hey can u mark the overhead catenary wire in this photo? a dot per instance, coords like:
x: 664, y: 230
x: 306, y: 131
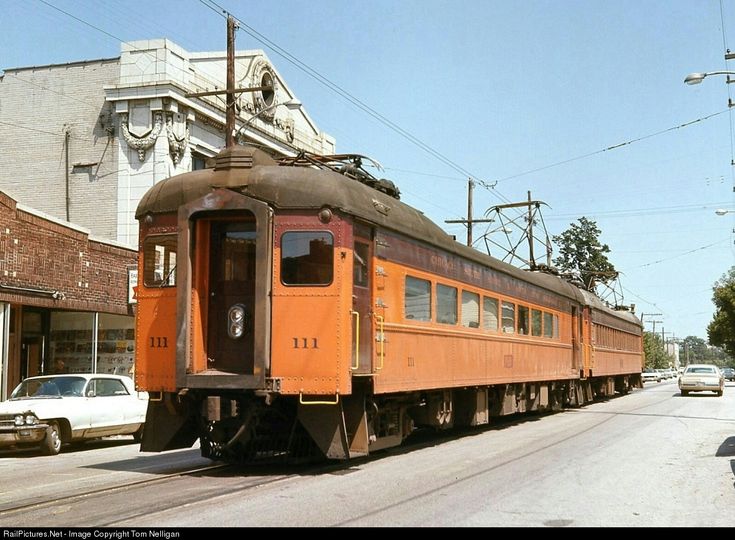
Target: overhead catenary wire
x: 311, y: 72
x: 611, y: 147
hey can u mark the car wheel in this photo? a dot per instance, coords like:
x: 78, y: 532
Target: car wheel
x: 138, y: 435
x: 52, y: 443
x: 719, y: 393
x: 685, y: 392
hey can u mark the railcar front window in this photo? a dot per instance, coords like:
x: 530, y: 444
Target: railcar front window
x: 509, y: 317
x: 417, y: 299
x: 307, y: 258
x: 446, y: 304
x: 159, y: 261
x: 470, y: 309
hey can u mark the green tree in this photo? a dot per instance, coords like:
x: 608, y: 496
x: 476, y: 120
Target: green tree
x: 653, y: 349
x: 721, y: 330
x: 695, y: 350
x: 582, y: 254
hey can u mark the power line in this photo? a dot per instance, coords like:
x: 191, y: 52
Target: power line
x: 613, y: 147
x: 60, y: 134
x: 644, y: 300
x: 645, y: 211
x: 120, y: 40
x: 90, y: 105
x: 311, y: 72
x: 702, y: 248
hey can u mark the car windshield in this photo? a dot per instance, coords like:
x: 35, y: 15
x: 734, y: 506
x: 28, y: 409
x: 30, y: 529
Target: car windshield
x: 703, y: 369
x: 49, y: 387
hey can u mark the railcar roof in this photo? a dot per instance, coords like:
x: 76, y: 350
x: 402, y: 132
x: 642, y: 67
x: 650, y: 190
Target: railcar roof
x: 254, y: 173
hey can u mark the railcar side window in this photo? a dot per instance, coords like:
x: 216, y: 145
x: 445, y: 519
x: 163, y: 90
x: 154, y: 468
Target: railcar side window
x: 159, y: 261
x: 535, y: 322
x: 490, y: 314
x: 548, y: 325
x: 307, y: 258
x: 417, y: 299
x: 556, y: 326
x: 523, y: 320
x: 509, y: 317
x: 446, y: 304
x: 470, y: 309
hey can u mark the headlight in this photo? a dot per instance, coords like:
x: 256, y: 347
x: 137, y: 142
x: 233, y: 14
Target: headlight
x: 31, y: 420
x: 236, y: 321
x: 18, y: 419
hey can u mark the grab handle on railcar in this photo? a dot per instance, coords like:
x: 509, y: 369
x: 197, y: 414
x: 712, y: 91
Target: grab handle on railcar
x: 302, y: 402
x: 381, y: 351
x: 357, y: 340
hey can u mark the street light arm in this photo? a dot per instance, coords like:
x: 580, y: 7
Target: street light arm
x: 291, y: 104
x: 696, y: 78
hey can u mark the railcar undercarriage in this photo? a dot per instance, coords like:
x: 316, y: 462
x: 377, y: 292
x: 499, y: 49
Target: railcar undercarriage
x: 243, y: 427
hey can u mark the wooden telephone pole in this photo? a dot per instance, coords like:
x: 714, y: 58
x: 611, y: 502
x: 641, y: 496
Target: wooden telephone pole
x: 470, y: 221
x: 231, y: 92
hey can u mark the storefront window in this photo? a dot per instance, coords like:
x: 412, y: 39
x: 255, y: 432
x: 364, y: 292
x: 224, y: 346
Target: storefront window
x: 115, y: 344
x: 71, y: 343
x: 72, y: 347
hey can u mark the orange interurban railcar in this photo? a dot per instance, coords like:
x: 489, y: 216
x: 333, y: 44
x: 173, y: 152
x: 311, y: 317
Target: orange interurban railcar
x: 295, y: 305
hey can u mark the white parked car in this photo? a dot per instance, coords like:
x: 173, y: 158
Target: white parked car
x: 650, y: 375
x: 701, y: 378
x: 48, y: 411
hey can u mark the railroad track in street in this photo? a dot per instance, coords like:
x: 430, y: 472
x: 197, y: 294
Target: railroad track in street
x: 9, y: 511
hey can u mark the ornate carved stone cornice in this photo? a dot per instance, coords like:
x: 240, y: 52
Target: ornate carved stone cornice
x: 207, y: 121
x: 141, y: 144
x: 176, y: 145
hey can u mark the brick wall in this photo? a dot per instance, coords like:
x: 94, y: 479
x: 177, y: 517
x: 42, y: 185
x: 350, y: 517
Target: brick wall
x: 37, y: 106
x: 37, y: 252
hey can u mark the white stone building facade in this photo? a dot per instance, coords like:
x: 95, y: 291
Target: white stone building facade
x: 84, y: 141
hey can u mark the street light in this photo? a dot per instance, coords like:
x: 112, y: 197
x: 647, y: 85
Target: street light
x: 292, y: 105
x: 696, y: 78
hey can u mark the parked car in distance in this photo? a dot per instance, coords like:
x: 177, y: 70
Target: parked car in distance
x: 728, y: 373
x: 650, y: 375
x: 50, y: 410
x: 701, y: 378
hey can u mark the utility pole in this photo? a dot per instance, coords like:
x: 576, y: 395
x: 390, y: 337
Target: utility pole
x: 530, y: 232
x: 230, y: 112
x: 470, y: 188
x: 650, y: 315
x: 230, y: 92
x: 470, y: 221
x: 654, y: 325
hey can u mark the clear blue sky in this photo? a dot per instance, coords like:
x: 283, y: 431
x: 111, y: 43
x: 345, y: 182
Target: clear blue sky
x: 500, y: 88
